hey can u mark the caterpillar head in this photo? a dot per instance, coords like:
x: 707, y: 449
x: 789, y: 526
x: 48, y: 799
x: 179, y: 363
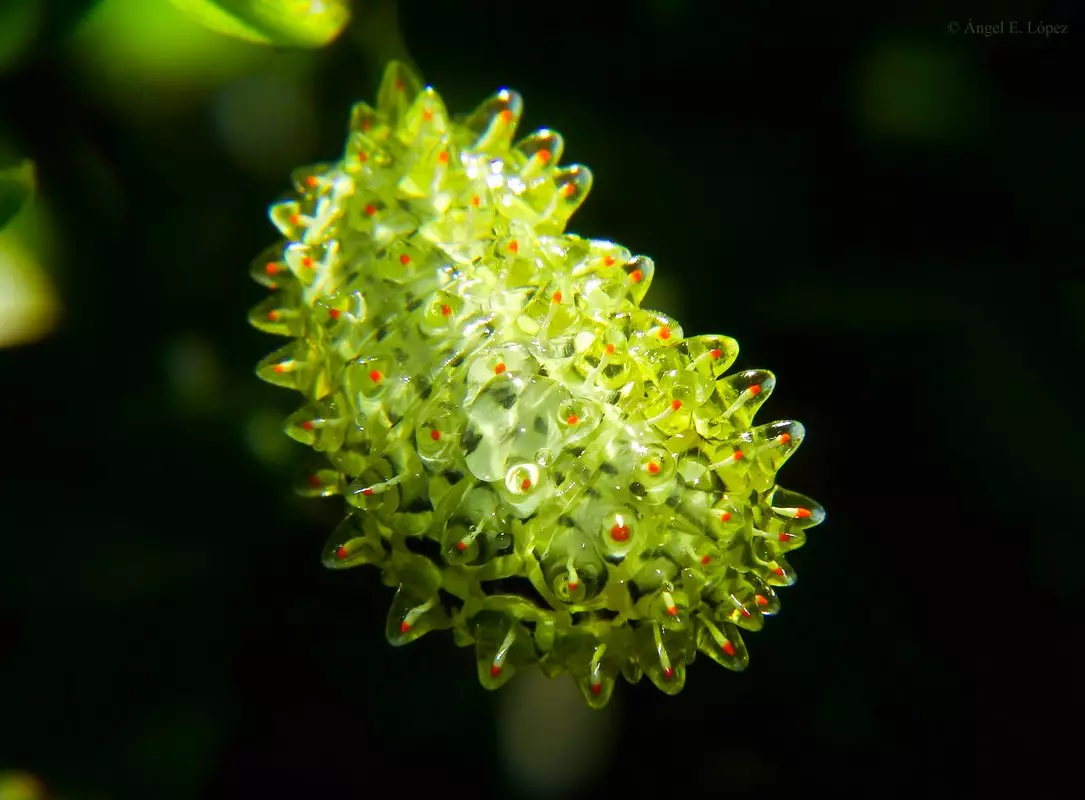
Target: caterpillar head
x: 559, y: 476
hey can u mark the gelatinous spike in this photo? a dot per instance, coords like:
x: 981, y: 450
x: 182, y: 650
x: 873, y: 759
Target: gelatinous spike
x: 744, y: 393
x: 662, y: 658
x: 412, y: 616
x: 321, y: 482
x: 539, y: 463
x: 321, y: 426
x: 425, y: 123
x: 773, y: 444
x: 766, y: 598
x: 397, y: 92
x: 570, y: 189
x: 289, y: 218
x: 542, y: 149
x: 352, y: 545
x: 277, y: 315
x: 500, y: 650
x: 287, y: 367
x: 367, y: 121
x: 639, y: 272
x: 779, y: 573
x: 743, y: 610
x: 710, y: 355
x: 799, y: 509
x: 495, y: 120
x: 268, y: 269
x: 598, y: 684
x: 723, y: 644
x: 314, y: 179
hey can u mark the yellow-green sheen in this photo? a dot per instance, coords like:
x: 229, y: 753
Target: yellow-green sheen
x: 535, y: 462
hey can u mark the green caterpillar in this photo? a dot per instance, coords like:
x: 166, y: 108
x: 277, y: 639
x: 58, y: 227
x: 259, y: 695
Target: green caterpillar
x: 534, y: 461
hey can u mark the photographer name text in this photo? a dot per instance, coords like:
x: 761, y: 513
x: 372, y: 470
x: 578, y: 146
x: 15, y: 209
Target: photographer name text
x: 1008, y: 27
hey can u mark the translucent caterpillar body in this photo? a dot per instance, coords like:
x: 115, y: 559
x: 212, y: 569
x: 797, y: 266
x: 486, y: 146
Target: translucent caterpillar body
x: 559, y: 476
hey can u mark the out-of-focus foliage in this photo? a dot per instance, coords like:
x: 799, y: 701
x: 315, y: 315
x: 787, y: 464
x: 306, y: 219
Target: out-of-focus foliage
x: 28, y: 304
x: 149, y: 58
x: 32, y: 29
x: 16, y: 186
x: 551, y: 742
x: 267, y: 122
x: 376, y: 31
x: 20, y: 786
x: 296, y: 23
x: 20, y: 21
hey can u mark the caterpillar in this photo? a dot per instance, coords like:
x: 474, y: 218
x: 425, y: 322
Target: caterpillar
x: 536, y: 463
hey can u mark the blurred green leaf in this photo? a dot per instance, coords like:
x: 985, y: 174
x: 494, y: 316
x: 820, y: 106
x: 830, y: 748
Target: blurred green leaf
x: 29, y: 28
x: 16, y: 187
x: 20, y: 786
x: 291, y: 23
x: 150, y: 58
x: 19, y: 24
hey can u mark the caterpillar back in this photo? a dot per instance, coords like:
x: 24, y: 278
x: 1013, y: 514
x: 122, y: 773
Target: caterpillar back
x: 555, y: 474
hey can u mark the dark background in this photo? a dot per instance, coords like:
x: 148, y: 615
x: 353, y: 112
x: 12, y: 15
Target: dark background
x: 880, y: 211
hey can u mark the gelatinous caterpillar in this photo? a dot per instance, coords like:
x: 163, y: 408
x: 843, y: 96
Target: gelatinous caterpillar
x: 557, y: 475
